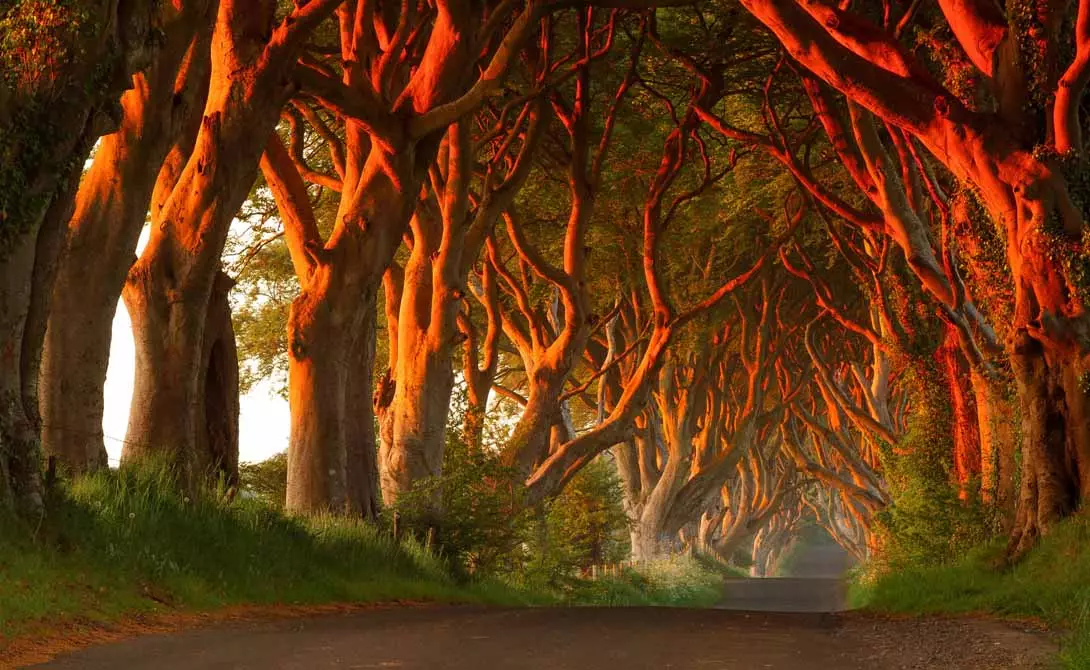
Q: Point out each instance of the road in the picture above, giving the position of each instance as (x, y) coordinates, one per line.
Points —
(477, 638)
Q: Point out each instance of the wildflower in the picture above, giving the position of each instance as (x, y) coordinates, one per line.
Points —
(132, 515)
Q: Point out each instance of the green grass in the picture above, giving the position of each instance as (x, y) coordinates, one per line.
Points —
(123, 542)
(1052, 584)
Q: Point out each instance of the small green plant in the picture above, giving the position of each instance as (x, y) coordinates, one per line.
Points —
(474, 510)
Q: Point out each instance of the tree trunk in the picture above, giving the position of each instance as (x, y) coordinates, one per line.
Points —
(168, 289)
(168, 332)
(967, 448)
(330, 464)
(328, 358)
(644, 538)
(111, 209)
(426, 332)
(1050, 418)
(217, 433)
(360, 443)
(995, 417)
(55, 103)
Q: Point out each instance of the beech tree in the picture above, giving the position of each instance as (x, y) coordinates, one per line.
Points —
(64, 66)
(159, 118)
(1018, 144)
(169, 288)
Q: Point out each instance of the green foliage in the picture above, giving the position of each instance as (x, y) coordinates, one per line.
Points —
(123, 542)
(586, 523)
(1051, 584)
(675, 581)
(267, 480)
(927, 524)
(483, 526)
(475, 507)
(53, 70)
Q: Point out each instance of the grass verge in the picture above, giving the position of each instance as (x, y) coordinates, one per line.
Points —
(1051, 584)
(124, 543)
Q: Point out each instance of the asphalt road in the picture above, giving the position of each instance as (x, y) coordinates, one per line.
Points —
(474, 638)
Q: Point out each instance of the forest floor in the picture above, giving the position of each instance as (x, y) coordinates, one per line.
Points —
(469, 637)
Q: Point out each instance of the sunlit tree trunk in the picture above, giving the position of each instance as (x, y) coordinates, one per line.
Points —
(967, 447)
(168, 289)
(55, 102)
(111, 208)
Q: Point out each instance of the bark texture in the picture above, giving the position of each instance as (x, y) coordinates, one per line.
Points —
(64, 71)
(111, 209)
(168, 290)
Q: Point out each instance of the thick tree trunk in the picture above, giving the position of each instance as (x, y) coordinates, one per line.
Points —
(56, 102)
(217, 432)
(20, 461)
(645, 537)
(1051, 417)
(424, 365)
(995, 417)
(361, 469)
(967, 448)
(168, 332)
(330, 457)
(330, 360)
(111, 208)
(168, 289)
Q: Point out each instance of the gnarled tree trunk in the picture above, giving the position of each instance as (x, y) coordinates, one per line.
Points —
(111, 209)
(168, 289)
(217, 431)
(54, 104)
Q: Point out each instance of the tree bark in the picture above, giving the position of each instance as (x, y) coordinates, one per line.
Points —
(217, 432)
(328, 360)
(55, 102)
(168, 289)
(112, 207)
(1049, 491)
(967, 446)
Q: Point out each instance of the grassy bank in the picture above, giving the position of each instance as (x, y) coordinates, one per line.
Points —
(123, 543)
(1051, 584)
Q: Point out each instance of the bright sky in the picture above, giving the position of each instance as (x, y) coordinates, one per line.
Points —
(263, 420)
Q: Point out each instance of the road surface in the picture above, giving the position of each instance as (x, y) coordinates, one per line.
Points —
(477, 638)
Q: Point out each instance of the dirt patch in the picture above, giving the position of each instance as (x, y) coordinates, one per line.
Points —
(953, 643)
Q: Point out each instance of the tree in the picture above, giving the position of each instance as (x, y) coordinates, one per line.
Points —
(1018, 146)
(168, 290)
(64, 65)
(159, 118)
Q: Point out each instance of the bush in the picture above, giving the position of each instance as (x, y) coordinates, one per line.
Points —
(475, 508)
(482, 524)
(584, 526)
(267, 480)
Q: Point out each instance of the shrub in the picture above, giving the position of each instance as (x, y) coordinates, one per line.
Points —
(267, 480)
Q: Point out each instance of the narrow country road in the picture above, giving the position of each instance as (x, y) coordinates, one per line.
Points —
(474, 638)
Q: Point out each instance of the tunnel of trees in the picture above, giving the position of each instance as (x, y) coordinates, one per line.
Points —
(765, 263)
